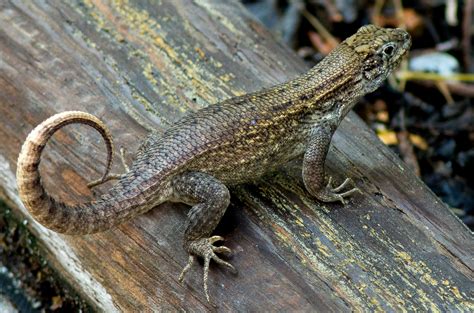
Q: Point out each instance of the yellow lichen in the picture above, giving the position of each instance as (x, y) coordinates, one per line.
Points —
(226, 77)
(456, 292)
(426, 278)
(323, 249)
(148, 73)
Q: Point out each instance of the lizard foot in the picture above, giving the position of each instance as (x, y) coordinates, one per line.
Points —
(111, 176)
(100, 181)
(205, 249)
(333, 194)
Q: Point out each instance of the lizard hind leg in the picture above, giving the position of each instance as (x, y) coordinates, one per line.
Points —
(210, 199)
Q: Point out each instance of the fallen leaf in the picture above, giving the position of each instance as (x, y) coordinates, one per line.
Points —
(57, 303)
(388, 137)
(418, 141)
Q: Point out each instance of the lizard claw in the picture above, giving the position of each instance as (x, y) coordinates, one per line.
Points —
(205, 249)
(333, 194)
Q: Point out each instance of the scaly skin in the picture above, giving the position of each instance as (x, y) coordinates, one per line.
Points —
(232, 142)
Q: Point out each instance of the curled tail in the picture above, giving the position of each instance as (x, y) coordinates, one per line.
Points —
(46, 210)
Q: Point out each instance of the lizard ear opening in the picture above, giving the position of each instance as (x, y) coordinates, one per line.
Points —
(373, 73)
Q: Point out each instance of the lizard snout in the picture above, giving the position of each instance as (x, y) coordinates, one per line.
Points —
(405, 38)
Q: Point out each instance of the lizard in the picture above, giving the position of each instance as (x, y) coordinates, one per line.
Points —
(235, 141)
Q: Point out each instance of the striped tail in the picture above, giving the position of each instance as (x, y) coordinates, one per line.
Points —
(53, 214)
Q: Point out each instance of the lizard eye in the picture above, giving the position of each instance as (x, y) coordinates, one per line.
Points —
(389, 50)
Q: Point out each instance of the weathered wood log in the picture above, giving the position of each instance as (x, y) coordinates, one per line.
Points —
(141, 65)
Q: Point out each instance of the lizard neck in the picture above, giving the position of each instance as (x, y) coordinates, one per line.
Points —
(331, 88)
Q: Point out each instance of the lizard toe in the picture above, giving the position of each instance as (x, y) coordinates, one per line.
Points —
(187, 267)
(222, 249)
(343, 185)
(334, 194)
(214, 239)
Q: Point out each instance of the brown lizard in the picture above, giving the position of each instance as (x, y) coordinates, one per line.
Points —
(232, 142)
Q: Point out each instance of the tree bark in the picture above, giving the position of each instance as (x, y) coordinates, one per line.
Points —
(141, 65)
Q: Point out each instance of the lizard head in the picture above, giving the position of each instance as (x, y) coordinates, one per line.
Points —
(380, 51)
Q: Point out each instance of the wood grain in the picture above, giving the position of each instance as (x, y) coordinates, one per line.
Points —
(141, 65)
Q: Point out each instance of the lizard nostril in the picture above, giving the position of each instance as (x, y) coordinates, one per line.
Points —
(406, 36)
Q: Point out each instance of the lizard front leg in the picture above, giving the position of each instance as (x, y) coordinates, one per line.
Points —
(209, 199)
(313, 167)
